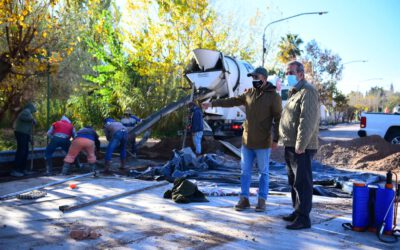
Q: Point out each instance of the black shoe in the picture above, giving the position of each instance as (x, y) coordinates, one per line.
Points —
(291, 217)
(298, 224)
(49, 174)
(16, 173)
(27, 172)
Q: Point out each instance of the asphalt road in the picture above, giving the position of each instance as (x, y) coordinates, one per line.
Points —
(341, 132)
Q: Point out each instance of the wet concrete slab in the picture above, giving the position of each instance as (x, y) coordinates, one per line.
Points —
(147, 221)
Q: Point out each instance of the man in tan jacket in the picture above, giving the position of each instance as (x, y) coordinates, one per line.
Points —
(299, 129)
(263, 112)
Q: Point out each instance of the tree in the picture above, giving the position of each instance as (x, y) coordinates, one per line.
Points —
(159, 46)
(341, 105)
(357, 100)
(323, 68)
(289, 48)
(109, 89)
(321, 64)
(375, 99)
(33, 36)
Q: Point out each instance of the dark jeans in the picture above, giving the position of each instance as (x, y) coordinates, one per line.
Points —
(134, 149)
(57, 142)
(300, 180)
(21, 156)
(120, 138)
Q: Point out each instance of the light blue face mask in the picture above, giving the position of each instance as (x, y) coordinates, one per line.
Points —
(291, 80)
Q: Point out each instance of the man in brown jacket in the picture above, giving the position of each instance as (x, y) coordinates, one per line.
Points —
(299, 129)
(263, 112)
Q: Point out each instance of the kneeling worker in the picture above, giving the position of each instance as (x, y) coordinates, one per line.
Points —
(86, 140)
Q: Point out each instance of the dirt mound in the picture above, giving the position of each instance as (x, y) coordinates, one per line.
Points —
(370, 153)
(391, 162)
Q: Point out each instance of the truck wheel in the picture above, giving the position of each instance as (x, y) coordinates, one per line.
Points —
(394, 138)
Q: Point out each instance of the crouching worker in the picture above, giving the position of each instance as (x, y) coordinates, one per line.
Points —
(86, 140)
(60, 133)
(117, 135)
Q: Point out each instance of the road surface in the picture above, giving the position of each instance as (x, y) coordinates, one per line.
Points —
(341, 132)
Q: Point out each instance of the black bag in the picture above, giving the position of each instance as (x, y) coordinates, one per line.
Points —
(185, 191)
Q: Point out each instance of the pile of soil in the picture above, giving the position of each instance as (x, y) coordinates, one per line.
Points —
(369, 153)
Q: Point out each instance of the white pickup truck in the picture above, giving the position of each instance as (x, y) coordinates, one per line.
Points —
(385, 125)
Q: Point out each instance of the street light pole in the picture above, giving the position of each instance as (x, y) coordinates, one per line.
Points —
(48, 92)
(280, 20)
(355, 61)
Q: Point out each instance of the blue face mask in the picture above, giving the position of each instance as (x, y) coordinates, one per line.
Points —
(291, 80)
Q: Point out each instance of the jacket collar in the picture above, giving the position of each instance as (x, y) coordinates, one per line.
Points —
(299, 85)
(266, 88)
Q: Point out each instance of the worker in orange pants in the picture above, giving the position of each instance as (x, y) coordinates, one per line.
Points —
(87, 140)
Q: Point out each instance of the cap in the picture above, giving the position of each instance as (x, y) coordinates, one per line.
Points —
(128, 110)
(259, 70)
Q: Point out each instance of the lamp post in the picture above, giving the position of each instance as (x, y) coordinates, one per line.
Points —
(355, 61)
(48, 92)
(373, 79)
(280, 20)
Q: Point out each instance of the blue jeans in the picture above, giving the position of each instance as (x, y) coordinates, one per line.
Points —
(247, 160)
(120, 138)
(57, 142)
(197, 141)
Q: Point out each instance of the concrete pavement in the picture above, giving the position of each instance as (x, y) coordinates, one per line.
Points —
(147, 221)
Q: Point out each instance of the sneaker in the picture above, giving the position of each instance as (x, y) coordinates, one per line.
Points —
(16, 174)
(66, 170)
(260, 205)
(242, 204)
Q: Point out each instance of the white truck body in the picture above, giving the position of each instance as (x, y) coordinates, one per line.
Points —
(217, 76)
(385, 125)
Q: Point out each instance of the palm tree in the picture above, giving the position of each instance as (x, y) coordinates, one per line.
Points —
(289, 48)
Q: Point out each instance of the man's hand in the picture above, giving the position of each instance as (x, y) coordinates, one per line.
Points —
(34, 122)
(299, 152)
(274, 145)
(206, 105)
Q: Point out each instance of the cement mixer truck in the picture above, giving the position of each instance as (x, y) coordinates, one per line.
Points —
(211, 76)
(214, 76)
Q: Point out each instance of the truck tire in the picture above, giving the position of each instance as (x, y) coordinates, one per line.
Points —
(394, 137)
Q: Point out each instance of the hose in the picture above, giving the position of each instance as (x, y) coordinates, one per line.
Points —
(395, 203)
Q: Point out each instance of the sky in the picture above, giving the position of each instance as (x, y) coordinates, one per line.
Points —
(354, 29)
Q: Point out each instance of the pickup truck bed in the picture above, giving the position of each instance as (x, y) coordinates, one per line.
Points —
(385, 125)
